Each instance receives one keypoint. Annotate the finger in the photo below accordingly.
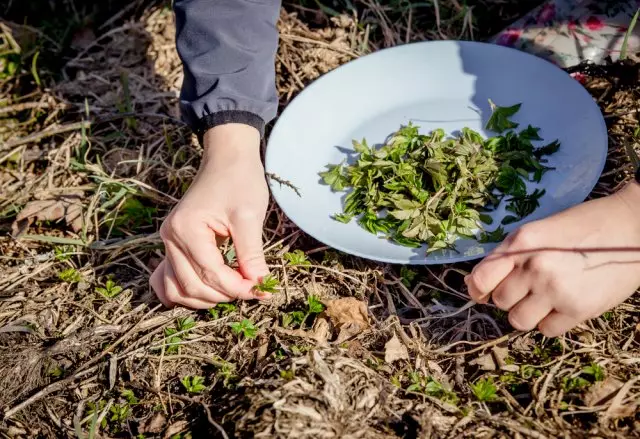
(556, 324)
(489, 273)
(512, 289)
(157, 284)
(246, 232)
(175, 294)
(529, 312)
(191, 285)
(205, 258)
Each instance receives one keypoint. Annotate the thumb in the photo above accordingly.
(246, 232)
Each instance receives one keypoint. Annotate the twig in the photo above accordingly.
(284, 182)
(36, 137)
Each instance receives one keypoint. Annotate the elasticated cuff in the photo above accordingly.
(229, 116)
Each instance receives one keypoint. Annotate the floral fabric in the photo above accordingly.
(568, 32)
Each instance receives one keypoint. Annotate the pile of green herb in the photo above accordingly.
(431, 189)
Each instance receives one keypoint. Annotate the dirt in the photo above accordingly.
(84, 342)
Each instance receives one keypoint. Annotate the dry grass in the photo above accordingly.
(100, 146)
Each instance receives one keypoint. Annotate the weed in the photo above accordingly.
(268, 284)
(119, 413)
(294, 318)
(297, 258)
(226, 371)
(407, 276)
(288, 374)
(221, 310)
(133, 215)
(110, 289)
(607, 316)
(595, 371)
(193, 384)
(432, 387)
(183, 325)
(129, 396)
(246, 328)
(63, 252)
(574, 384)
(314, 306)
(56, 372)
(95, 409)
(70, 275)
(485, 390)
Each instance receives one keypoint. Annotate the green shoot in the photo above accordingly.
(193, 384)
(110, 289)
(245, 328)
(70, 275)
(297, 258)
(485, 390)
(268, 284)
(221, 310)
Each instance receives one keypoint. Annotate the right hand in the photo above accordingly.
(228, 198)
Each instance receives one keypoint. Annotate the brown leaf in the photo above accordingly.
(153, 425)
(484, 362)
(68, 207)
(175, 428)
(321, 331)
(394, 350)
(348, 315)
(602, 391)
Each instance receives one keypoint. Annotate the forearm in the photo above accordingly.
(227, 48)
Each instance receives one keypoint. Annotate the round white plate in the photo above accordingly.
(438, 84)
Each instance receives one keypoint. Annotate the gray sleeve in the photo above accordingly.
(228, 49)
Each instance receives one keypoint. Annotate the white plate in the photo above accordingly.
(438, 84)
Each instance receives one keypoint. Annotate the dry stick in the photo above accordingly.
(36, 137)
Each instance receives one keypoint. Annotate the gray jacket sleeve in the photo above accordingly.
(228, 49)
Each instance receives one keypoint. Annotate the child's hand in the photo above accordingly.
(229, 197)
(557, 290)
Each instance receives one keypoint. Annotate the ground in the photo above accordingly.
(93, 156)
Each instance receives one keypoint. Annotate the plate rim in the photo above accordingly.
(489, 247)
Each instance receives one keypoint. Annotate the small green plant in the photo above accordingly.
(407, 276)
(110, 289)
(288, 374)
(129, 396)
(607, 316)
(574, 384)
(95, 409)
(133, 214)
(294, 318)
(485, 390)
(625, 42)
(297, 318)
(314, 306)
(297, 258)
(174, 335)
(595, 371)
(193, 384)
(226, 371)
(430, 386)
(185, 324)
(56, 372)
(63, 252)
(70, 275)
(119, 413)
(245, 328)
(221, 310)
(268, 284)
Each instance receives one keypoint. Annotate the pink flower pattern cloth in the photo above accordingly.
(568, 32)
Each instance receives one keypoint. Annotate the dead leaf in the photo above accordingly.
(175, 428)
(349, 316)
(394, 350)
(602, 391)
(620, 408)
(321, 331)
(484, 362)
(153, 425)
(68, 207)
